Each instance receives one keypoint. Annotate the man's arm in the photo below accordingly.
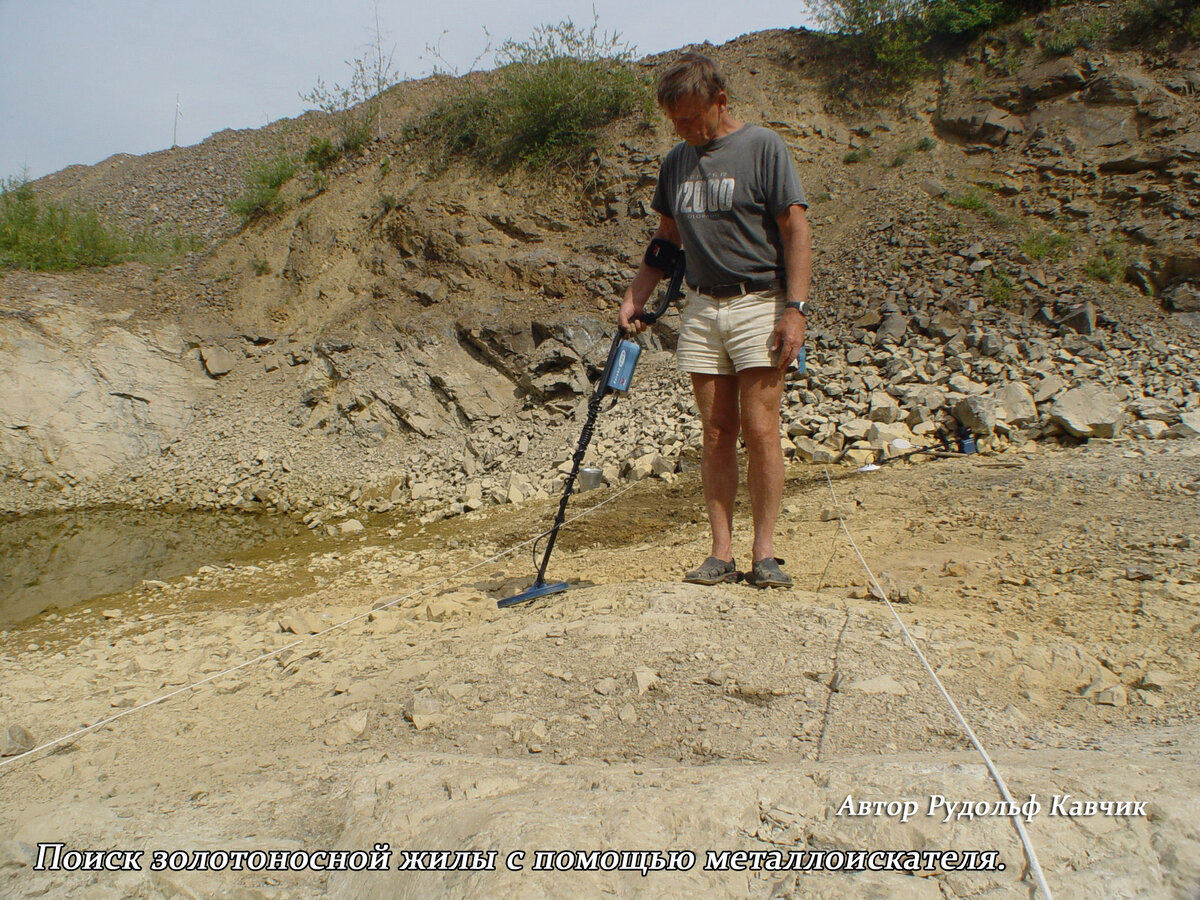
(797, 261)
(645, 281)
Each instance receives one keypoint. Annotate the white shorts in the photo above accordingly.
(723, 337)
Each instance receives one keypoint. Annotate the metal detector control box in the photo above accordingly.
(623, 365)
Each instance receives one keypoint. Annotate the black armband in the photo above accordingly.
(661, 255)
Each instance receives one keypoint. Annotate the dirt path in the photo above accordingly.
(1055, 592)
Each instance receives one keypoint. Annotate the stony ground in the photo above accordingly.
(1054, 591)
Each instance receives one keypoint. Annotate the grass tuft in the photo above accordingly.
(263, 183)
(1109, 264)
(1046, 245)
(976, 202)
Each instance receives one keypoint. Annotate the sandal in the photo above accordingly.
(712, 571)
(767, 574)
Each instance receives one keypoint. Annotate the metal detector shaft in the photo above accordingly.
(539, 587)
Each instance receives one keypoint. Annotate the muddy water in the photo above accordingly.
(62, 559)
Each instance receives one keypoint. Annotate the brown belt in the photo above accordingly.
(741, 288)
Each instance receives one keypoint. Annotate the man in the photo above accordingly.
(730, 196)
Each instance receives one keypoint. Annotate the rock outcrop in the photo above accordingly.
(82, 396)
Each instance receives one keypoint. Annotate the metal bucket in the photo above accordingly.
(590, 478)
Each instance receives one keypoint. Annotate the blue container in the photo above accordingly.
(800, 361)
(623, 366)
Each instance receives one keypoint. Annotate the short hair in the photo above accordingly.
(692, 75)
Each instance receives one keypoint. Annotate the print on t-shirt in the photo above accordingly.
(705, 196)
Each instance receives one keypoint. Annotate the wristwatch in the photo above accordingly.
(801, 306)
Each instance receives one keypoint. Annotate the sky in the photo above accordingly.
(81, 80)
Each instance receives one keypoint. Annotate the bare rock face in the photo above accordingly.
(1049, 80)
(980, 122)
(83, 395)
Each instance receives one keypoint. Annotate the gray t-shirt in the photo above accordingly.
(725, 198)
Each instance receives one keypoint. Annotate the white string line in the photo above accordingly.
(1030, 854)
(197, 684)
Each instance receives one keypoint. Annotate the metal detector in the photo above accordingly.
(618, 370)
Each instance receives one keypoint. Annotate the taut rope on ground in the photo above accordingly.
(1030, 853)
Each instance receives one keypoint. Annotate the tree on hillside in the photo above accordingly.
(886, 33)
(938, 17)
(859, 17)
(370, 75)
(893, 34)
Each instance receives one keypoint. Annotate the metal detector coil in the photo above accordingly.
(618, 372)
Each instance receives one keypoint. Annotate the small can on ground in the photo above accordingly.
(590, 478)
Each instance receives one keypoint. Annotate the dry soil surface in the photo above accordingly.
(1054, 591)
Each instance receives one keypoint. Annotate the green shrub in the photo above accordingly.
(856, 156)
(976, 202)
(1110, 263)
(961, 17)
(263, 182)
(55, 237)
(1173, 22)
(545, 104)
(972, 200)
(320, 154)
(1072, 36)
(897, 48)
(902, 155)
(968, 18)
(355, 131)
(894, 37)
(999, 287)
(1046, 244)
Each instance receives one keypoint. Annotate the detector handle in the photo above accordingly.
(674, 289)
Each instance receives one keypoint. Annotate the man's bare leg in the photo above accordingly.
(717, 399)
(760, 393)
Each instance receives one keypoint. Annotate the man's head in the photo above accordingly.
(692, 94)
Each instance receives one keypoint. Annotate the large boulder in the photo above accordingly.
(217, 360)
(1183, 297)
(977, 413)
(1016, 403)
(1088, 412)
